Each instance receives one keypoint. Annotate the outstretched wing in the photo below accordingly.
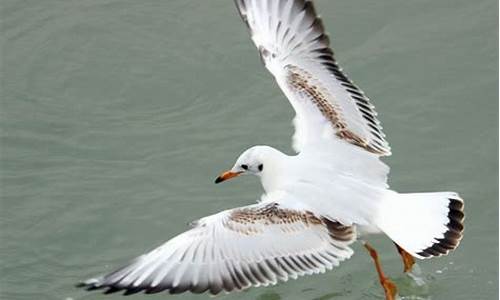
(294, 47)
(235, 249)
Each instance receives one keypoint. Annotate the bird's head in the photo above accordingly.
(255, 161)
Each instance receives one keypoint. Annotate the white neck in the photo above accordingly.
(278, 170)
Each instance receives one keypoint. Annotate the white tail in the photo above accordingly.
(423, 224)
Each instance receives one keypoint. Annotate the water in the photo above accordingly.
(117, 115)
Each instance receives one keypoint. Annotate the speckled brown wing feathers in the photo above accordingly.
(233, 250)
(294, 47)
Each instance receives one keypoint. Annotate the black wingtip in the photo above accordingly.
(86, 286)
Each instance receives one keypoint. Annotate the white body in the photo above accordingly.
(353, 192)
(340, 190)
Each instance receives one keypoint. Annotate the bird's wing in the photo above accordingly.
(249, 246)
(294, 47)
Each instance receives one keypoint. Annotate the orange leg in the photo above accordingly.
(408, 260)
(390, 288)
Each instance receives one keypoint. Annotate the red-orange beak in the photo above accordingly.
(227, 175)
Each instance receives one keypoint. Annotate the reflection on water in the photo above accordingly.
(269, 295)
(331, 296)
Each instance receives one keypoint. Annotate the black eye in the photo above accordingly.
(261, 167)
(244, 167)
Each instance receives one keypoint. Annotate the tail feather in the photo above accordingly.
(423, 224)
(452, 237)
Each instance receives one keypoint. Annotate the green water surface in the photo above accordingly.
(116, 116)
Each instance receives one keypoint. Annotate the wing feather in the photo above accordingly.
(250, 246)
(294, 47)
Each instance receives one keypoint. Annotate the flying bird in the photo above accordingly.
(318, 201)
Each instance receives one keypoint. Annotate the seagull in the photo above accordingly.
(332, 192)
